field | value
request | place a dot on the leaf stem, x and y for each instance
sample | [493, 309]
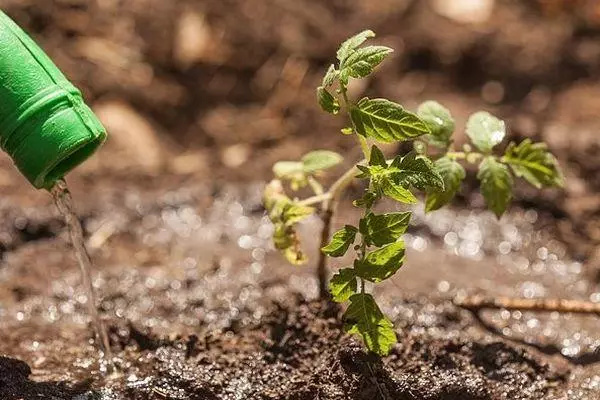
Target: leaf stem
[320, 198]
[329, 202]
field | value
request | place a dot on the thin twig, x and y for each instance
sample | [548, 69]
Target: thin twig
[329, 205]
[479, 302]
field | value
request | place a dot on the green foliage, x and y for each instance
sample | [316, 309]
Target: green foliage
[363, 317]
[417, 171]
[340, 242]
[312, 164]
[327, 101]
[452, 174]
[534, 163]
[496, 184]
[485, 131]
[379, 230]
[385, 121]
[361, 62]
[320, 160]
[350, 45]
[343, 285]
[382, 263]
[439, 121]
[377, 242]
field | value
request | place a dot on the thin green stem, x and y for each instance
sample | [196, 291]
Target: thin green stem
[315, 185]
[364, 145]
[320, 198]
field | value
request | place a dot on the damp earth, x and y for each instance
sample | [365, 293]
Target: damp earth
[200, 103]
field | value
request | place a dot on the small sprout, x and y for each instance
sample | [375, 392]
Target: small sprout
[379, 251]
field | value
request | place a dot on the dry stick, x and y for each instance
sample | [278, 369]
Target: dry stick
[479, 302]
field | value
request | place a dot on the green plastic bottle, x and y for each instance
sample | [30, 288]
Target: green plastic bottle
[45, 126]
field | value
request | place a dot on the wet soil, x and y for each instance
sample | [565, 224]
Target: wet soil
[198, 303]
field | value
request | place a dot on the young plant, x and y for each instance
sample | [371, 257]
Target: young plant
[377, 238]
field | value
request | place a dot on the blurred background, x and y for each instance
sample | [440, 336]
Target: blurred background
[201, 97]
[220, 89]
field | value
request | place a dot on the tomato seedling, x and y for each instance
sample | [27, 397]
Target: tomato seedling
[434, 167]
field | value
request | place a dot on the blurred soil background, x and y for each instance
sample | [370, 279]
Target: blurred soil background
[220, 89]
[212, 92]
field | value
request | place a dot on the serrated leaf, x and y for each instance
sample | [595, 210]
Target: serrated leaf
[383, 229]
[386, 121]
[534, 163]
[439, 121]
[330, 76]
[341, 241]
[382, 263]
[377, 157]
[453, 174]
[320, 160]
[361, 62]
[496, 185]
[485, 130]
[327, 102]
[396, 192]
[366, 201]
[348, 46]
[343, 285]
[363, 317]
[415, 170]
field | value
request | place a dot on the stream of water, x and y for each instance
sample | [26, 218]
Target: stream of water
[64, 203]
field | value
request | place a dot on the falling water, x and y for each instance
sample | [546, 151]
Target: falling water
[64, 203]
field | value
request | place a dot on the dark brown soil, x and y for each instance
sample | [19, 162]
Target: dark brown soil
[299, 351]
[201, 97]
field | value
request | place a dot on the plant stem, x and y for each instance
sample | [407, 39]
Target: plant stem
[315, 185]
[315, 199]
[329, 205]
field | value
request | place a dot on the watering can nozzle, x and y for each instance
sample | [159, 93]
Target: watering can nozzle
[45, 126]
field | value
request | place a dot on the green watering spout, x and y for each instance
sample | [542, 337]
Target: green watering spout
[45, 126]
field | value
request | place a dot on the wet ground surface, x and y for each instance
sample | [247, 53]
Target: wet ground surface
[200, 307]
[200, 103]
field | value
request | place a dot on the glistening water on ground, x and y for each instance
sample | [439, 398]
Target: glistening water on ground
[199, 306]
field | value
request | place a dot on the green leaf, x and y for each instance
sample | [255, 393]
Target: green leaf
[415, 170]
[382, 263]
[439, 121]
[282, 237]
[366, 201]
[320, 160]
[396, 192]
[386, 121]
[294, 213]
[287, 169]
[363, 317]
[327, 101]
[361, 62]
[485, 130]
[295, 255]
[352, 43]
[343, 285]
[340, 242]
[383, 229]
[377, 157]
[330, 76]
[496, 185]
[453, 174]
[534, 163]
